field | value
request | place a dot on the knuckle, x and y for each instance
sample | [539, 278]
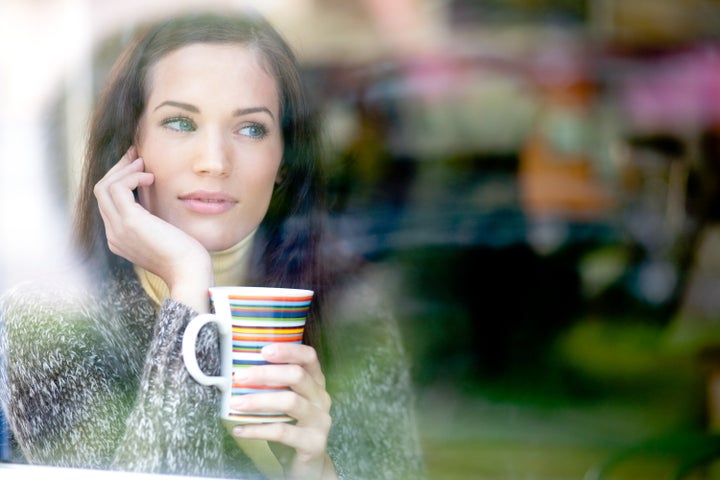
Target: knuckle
[293, 402]
[282, 430]
[296, 374]
[312, 355]
[321, 381]
[115, 188]
[326, 401]
[325, 423]
[114, 248]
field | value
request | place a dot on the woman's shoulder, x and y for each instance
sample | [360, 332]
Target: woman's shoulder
[40, 296]
[45, 308]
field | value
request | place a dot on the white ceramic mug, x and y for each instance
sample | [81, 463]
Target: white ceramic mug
[247, 318]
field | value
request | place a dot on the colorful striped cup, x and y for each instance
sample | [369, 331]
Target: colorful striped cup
[248, 318]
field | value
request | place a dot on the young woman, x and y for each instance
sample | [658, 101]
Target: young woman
[202, 169]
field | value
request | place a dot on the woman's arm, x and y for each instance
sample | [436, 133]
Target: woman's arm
[82, 388]
[173, 425]
[146, 240]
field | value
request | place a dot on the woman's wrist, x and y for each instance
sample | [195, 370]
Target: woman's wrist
[191, 286]
[197, 299]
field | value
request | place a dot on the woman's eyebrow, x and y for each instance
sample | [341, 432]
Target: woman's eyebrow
[246, 111]
[184, 106]
[236, 113]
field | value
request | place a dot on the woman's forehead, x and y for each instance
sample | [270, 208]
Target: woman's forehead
[199, 69]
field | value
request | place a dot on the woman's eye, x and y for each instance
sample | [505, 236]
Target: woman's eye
[253, 131]
[180, 124]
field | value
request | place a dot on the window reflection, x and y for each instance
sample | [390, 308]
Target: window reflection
[537, 177]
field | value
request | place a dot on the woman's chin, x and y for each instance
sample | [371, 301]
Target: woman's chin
[215, 244]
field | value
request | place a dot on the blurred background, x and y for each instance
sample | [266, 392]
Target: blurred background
[537, 181]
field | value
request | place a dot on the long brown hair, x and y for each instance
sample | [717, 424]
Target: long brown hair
[286, 246]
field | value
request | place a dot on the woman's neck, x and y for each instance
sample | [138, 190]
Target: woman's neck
[230, 267]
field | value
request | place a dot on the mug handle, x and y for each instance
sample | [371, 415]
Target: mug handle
[188, 350]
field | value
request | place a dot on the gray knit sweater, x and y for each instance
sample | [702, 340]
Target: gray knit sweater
[96, 379]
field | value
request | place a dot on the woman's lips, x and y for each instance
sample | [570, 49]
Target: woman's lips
[207, 202]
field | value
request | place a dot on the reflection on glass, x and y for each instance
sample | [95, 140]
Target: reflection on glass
[534, 186]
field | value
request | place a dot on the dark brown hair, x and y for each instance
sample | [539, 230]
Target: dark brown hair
[286, 245]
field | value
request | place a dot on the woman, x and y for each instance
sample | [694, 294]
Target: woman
[202, 168]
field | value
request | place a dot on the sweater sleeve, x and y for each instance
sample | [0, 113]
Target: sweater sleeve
[374, 434]
[69, 373]
[173, 425]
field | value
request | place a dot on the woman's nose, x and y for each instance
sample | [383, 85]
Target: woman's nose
[213, 158]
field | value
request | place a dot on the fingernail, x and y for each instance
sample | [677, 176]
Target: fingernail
[237, 430]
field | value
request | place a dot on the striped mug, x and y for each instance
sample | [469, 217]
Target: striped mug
[247, 319]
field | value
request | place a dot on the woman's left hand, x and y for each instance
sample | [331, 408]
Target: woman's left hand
[297, 367]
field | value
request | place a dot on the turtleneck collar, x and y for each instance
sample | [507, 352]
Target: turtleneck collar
[230, 267]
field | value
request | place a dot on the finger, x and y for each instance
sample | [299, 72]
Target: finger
[287, 402]
[121, 192]
[292, 376]
[128, 163]
[303, 355]
[115, 190]
[307, 442]
[128, 157]
[121, 170]
[116, 202]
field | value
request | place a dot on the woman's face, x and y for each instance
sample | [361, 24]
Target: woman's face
[211, 135]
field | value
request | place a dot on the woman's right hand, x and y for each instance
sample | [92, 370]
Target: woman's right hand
[148, 241]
